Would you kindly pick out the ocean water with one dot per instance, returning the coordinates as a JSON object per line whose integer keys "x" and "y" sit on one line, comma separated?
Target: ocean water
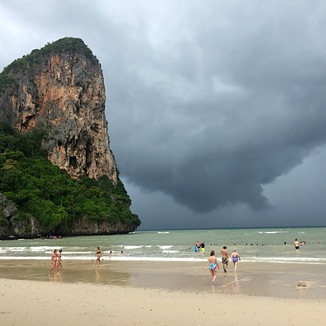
{"x": 270, "y": 245}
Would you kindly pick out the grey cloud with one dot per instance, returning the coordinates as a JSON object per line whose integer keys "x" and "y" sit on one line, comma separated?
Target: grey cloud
{"x": 207, "y": 103}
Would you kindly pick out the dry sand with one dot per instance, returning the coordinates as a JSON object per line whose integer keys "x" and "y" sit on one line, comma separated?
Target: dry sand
{"x": 150, "y": 293}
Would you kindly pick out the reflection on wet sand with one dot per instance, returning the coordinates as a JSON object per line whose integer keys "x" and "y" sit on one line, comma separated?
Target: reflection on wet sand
{"x": 254, "y": 279}
{"x": 72, "y": 272}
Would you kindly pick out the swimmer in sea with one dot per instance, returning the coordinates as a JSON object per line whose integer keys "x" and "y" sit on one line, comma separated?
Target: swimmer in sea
{"x": 212, "y": 265}
{"x": 235, "y": 258}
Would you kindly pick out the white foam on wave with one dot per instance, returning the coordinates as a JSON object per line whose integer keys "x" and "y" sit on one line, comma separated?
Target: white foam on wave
{"x": 16, "y": 249}
{"x": 272, "y": 232}
{"x": 165, "y": 247}
{"x": 132, "y": 247}
{"x": 78, "y": 252}
{"x": 43, "y": 248}
{"x": 286, "y": 259}
{"x": 167, "y": 259}
{"x": 278, "y": 260}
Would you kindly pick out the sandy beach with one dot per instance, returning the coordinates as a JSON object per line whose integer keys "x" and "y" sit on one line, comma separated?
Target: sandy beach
{"x": 160, "y": 293}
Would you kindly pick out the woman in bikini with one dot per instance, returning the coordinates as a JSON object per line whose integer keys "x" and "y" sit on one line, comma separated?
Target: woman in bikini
{"x": 53, "y": 261}
{"x": 235, "y": 258}
{"x": 98, "y": 255}
{"x": 59, "y": 261}
{"x": 212, "y": 265}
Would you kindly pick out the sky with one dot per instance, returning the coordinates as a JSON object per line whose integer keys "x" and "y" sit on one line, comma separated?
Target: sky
{"x": 216, "y": 109}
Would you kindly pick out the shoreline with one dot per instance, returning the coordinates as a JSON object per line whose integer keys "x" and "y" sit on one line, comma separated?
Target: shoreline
{"x": 159, "y": 293}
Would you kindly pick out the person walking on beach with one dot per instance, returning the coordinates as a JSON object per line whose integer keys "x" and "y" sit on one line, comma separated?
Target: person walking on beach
{"x": 296, "y": 244}
{"x": 98, "y": 255}
{"x": 212, "y": 265}
{"x": 225, "y": 258}
{"x": 53, "y": 261}
{"x": 59, "y": 261}
{"x": 235, "y": 258}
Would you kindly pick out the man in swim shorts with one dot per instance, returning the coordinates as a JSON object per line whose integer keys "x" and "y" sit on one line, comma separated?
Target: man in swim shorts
{"x": 296, "y": 244}
{"x": 225, "y": 258}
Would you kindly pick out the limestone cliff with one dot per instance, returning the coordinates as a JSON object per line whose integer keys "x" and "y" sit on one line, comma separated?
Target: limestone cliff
{"x": 61, "y": 89}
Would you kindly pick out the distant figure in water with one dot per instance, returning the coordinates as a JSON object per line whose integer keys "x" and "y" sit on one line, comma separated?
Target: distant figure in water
{"x": 212, "y": 265}
{"x": 98, "y": 255}
{"x": 235, "y": 258}
{"x": 296, "y": 244}
{"x": 53, "y": 261}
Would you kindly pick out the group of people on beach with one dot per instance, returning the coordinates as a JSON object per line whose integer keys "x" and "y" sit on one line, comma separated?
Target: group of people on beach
{"x": 56, "y": 261}
{"x": 213, "y": 266}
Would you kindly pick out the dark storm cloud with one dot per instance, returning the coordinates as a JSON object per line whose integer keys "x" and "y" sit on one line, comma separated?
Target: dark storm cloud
{"x": 207, "y": 101}
{"x": 238, "y": 106}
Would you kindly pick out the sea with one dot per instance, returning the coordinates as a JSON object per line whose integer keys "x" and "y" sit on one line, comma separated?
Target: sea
{"x": 269, "y": 245}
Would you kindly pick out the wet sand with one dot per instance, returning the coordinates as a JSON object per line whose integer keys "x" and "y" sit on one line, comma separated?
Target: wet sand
{"x": 261, "y": 279}
{"x": 160, "y": 293}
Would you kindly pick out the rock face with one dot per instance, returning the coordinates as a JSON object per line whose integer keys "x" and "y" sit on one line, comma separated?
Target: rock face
{"x": 63, "y": 92}
{"x": 60, "y": 89}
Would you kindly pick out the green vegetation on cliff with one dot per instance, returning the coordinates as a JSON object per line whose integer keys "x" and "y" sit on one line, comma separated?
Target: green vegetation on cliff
{"x": 64, "y": 45}
{"x": 49, "y": 194}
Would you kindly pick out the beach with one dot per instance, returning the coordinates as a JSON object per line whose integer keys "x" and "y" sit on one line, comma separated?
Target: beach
{"x": 160, "y": 293}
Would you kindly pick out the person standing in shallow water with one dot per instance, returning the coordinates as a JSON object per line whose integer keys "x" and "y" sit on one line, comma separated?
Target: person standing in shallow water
{"x": 296, "y": 244}
{"x": 202, "y": 247}
{"x": 212, "y": 265}
{"x": 225, "y": 258}
{"x": 235, "y": 258}
{"x": 53, "y": 261}
{"x": 98, "y": 255}
{"x": 59, "y": 261}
